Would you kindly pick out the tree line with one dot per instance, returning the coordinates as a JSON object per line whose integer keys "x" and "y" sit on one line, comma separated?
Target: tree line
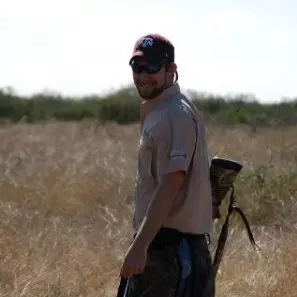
{"x": 122, "y": 107}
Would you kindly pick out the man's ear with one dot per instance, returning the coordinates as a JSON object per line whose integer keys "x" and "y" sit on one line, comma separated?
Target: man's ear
{"x": 172, "y": 68}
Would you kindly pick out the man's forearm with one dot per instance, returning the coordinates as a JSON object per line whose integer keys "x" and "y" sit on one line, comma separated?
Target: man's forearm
{"x": 157, "y": 212}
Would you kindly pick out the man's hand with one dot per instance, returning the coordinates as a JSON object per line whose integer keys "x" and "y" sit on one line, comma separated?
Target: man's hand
{"x": 134, "y": 262}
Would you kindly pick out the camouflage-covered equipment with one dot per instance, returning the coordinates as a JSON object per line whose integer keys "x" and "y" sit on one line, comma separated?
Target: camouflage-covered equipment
{"x": 223, "y": 173}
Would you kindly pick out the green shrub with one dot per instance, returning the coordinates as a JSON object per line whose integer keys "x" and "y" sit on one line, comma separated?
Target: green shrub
{"x": 122, "y": 107}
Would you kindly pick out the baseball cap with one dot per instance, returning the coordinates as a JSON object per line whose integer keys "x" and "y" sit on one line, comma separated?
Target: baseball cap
{"x": 153, "y": 47}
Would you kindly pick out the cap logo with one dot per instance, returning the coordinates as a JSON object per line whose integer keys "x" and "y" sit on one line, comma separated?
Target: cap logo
{"x": 147, "y": 42}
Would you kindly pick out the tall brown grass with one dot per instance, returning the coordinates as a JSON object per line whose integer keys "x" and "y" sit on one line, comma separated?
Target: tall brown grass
{"x": 66, "y": 209}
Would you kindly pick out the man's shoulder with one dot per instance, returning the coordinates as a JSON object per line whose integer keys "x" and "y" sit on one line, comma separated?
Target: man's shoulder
{"x": 181, "y": 108}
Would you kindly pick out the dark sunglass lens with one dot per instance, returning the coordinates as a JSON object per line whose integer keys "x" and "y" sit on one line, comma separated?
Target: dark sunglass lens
{"x": 136, "y": 68}
{"x": 153, "y": 68}
{"x": 150, "y": 68}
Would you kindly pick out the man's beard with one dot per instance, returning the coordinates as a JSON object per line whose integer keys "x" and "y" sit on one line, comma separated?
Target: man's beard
{"x": 147, "y": 95}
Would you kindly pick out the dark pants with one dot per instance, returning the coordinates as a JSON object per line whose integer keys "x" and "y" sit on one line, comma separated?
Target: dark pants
{"x": 163, "y": 275}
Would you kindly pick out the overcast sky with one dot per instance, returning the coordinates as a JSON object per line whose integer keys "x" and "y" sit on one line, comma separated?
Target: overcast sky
{"x": 81, "y": 47}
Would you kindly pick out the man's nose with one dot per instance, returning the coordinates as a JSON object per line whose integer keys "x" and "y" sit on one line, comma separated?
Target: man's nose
{"x": 143, "y": 75}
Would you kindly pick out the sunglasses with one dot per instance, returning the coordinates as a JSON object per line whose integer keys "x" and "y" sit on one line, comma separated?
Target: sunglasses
{"x": 150, "y": 68}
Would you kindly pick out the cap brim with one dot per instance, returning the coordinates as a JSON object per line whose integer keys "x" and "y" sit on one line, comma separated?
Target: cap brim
{"x": 136, "y": 55}
{"x": 141, "y": 54}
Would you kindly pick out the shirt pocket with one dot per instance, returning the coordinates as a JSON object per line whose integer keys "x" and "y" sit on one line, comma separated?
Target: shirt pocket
{"x": 145, "y": 155}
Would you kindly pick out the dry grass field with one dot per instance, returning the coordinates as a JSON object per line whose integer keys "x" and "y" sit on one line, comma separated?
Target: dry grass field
{"x": 65, "y": 209}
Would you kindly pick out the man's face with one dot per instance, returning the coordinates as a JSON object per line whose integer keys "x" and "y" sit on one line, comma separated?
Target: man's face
{"x": 149, "y": 78}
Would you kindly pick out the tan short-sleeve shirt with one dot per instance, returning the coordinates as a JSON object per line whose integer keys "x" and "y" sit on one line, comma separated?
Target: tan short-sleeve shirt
{"x": 167, "y": 145}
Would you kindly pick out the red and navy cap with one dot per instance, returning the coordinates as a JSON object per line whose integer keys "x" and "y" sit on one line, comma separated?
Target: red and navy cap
{"x": 153, "y": 47}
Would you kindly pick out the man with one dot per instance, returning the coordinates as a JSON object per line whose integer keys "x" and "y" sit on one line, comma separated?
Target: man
{"x": 169, "y": 255}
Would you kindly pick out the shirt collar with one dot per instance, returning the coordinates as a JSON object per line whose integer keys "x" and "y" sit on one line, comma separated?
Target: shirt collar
{"x": 148, "y": 105}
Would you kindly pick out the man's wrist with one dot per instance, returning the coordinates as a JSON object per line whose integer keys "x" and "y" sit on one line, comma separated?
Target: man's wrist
{"x": 140, "y": 242}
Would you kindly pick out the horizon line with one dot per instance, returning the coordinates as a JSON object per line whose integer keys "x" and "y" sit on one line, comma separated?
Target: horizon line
{"x": 9, "y": 90}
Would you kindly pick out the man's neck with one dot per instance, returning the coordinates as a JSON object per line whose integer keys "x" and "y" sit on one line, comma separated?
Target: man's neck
{"x": 147, "y": 106}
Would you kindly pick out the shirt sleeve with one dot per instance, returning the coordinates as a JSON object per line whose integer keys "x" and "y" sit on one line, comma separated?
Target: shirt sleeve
{"x": 176, "y": 143}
